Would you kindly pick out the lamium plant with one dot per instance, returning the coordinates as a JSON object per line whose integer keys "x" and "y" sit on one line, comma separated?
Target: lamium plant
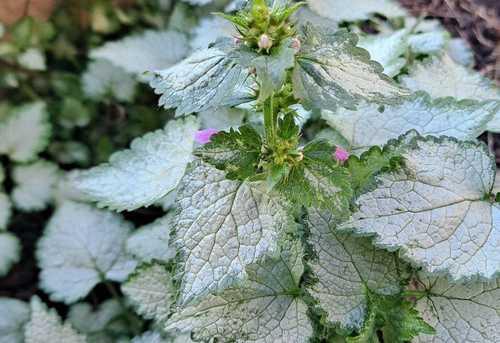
{"x": 318, "y": 187}
{"x": 282, "y": 238}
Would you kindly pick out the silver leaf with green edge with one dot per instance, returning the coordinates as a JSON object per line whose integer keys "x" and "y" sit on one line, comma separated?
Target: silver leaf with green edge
{"x": 145, "y": 173}
{"x": 223, "y": 225}
{"x": 35, "y": 185}
{"x": 25, "y": 132}
{"x": 387, "y": 49}
{"x": 89, "y": 321}
{"x": 460, "y": 312}
{"x": 346, "y": 267}
{"x": 14, "y": 314}
{"x": 437, "y": 208}
{"x": 10, "y": 252}
{"x": 46, "y": 326}
{"x": 263, "y": 307}
{"x": 353, "y": 10}
{"x": 207, "y": 79}
{"x": 332, "y": 71}
{"x": 151, "y": 242}
{"x": 151, "y": 291}
{"x": 81, "y": 247}
{"x": 372, "y": 124}
{"x": 144, "y": 52}
{"x": 443, "y": 77}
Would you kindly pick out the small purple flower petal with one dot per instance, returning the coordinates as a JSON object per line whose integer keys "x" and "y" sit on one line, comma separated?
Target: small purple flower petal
{"x": 341, "y": 155}
{"x": 203, "y": 136}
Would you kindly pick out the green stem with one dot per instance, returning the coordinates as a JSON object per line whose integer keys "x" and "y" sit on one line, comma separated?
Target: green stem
{"x": 128, "y": 315}
{"x": 270, "y": 120}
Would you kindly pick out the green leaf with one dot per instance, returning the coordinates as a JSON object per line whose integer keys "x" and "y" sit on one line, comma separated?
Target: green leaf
{"x": 237, "y": 152}
{"x": 318, "y": 180}
{"x": 373, "y": 125}
{"x": 331, "y": 71}
{"x": 264, "y": 307}
{"x": 207, "y": 79}
{"x": 368, "y": 333}
{"x": 363, "y": 169}
{"x": 436, "y": 208}
{"x": 222, "y": 226}
{"x": 400, "y": 321}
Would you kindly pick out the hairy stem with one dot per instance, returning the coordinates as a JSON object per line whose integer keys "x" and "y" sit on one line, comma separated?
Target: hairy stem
{"x": 270, "y": 120}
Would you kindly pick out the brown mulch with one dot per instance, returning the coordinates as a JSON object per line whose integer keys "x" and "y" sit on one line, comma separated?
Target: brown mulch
{"x": 477, "y": 21}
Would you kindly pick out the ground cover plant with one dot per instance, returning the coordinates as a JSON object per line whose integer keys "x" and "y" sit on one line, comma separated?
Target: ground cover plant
{"x": 313, "y": 170}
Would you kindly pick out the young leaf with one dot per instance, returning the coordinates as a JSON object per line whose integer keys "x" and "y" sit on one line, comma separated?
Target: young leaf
{"x": 10, "y": 252}
{"x": 436, "y": 208}
{"x": 207, "y": 79}
{"x": 151, "y": 291}
{"x": 25, "y": 132}
{"x": 151, "y": 241}
{"x": 102, "y": 79}
{"x": 270, "y": 69}
{"x": 237, "y": 152}
{"x": 353, "y": 10}
{"x": 222, "y": 226}
{"x": 373, "y": 125}
{"x": 345, "y": 268}
{"x": 14, "y": 314}
{"x": 364, "y": 168}
{"x": 461, "y": 82}
{"x": 149, "y": 170}
{"x": 209, "y": 30}
{"x": 331, "y": 71}
{"x": 35, "y": 185}
{"x": 463, "y": 312}
{"x": 264, "y": 307}
{"x": 318, "y": 180}
{"x": 45, "y": 326}
{"x": 398, "y": 319}
{"x": 81, "y": 247}
{"x": 139, "y": 53}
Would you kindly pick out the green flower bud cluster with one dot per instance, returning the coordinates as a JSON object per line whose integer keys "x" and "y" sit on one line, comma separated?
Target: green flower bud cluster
{"x": 262, "y": 27}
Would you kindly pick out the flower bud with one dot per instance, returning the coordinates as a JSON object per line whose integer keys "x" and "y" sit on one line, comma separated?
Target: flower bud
{"x": 341, "y": 155}
{"x": 296, "y": 44}
{"x": 265, "y": 43}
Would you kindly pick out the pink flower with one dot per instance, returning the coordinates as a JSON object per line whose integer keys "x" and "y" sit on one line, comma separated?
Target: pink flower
{"x": 203, "y": 136}
{"x": 341, "y": 155}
